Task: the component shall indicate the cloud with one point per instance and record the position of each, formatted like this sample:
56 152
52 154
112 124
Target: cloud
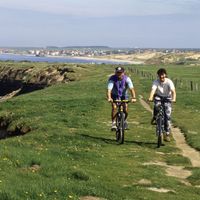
104 8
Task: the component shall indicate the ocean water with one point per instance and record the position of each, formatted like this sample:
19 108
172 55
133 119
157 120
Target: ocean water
30 58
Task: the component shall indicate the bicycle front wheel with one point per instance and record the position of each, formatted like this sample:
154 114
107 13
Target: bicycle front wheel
117 129
120 129
159 131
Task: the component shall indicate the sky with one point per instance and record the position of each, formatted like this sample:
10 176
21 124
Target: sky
113 23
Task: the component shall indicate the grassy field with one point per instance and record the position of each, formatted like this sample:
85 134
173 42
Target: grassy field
71 152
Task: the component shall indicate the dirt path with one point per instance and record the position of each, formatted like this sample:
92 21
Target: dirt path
178 136
187 151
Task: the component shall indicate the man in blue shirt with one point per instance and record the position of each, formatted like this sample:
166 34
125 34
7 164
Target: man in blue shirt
118 85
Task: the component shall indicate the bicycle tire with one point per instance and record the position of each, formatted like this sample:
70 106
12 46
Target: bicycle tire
117 129
159 131
121 128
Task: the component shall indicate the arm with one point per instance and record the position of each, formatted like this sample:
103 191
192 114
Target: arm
173 95
153 91
173 91
109 91
133 96
109 96
151 96
132 90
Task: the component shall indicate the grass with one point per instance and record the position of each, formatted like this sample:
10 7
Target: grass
71 151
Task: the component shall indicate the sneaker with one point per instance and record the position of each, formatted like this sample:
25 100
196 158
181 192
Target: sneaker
153 121
114 127
126 125
166 138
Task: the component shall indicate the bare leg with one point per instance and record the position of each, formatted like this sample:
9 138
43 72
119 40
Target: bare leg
114 111
126 110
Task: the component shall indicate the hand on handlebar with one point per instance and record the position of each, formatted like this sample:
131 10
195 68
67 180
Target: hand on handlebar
150 100
110 100
133 100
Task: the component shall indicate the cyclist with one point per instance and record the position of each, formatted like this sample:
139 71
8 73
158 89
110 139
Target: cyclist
163 87
118 84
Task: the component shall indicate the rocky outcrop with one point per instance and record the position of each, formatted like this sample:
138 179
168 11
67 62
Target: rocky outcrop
31 78
16 80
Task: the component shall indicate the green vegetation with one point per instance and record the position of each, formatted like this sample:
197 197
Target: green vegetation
71 152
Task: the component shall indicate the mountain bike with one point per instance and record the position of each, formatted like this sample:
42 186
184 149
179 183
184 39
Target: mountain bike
160 118
120 120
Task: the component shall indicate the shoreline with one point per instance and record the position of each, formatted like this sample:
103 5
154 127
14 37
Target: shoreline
109 59
122 61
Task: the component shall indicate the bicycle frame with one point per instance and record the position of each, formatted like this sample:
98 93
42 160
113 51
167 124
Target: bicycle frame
120 119
161 117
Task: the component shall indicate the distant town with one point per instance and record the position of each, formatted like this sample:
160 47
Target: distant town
87 51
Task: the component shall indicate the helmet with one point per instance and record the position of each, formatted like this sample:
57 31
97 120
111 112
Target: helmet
119 69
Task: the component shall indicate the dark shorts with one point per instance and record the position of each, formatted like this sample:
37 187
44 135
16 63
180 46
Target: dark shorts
115 97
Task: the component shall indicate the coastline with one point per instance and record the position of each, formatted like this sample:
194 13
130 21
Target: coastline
86 58
109 59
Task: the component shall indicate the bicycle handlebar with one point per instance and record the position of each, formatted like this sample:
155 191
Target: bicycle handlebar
121 101
162 99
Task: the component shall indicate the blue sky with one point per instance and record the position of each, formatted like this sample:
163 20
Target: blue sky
114 23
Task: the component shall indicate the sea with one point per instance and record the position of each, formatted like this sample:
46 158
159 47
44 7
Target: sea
32 58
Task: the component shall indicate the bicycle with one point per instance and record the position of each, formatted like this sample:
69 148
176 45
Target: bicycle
160 118
120 120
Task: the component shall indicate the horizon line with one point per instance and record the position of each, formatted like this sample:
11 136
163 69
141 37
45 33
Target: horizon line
97 46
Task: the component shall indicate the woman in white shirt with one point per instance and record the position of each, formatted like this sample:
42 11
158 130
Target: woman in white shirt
163 87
